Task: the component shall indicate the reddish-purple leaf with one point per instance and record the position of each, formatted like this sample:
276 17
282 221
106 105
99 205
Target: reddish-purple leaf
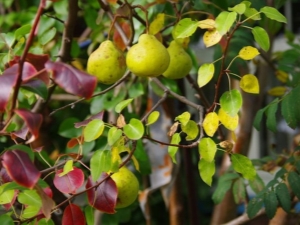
47 201
29 71
4 177
7 81
85 122
104 197
38 61
20 168
22 133
70 182
33 122
73 215
72 80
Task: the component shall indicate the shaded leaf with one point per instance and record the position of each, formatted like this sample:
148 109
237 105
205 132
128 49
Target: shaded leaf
86 121
282 76
277 91
36 86
211 123
22 31
206 170
224 184
93 130
73 215
261 37
257 184
230 122
47 36
120 106
142 157
273 14
290 107
205 74
243 165
283 196
157 24
254 205
271 115
249 83
104 197
47 202
258 117
271 202
184 28
117 39
67 128
224 21
6 220
248 53
72 80
239 191
134 130
231 102
70 182
172 150
20 168
294 181
207 149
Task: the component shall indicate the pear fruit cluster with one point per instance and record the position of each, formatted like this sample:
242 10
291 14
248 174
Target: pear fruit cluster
127 185
107 63
147 58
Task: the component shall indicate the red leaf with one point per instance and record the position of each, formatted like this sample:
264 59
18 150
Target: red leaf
7 81
4 177
33 122
72 143
38 61
85 122
20 168
72 80
104 197
117 37
22 133
70 182
73 216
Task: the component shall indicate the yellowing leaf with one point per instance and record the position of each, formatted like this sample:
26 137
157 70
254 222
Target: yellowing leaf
248 53
211 37
277 91
183 118
206 24
281 76
211 123
157 24
68 167
249 83
205 74
230 122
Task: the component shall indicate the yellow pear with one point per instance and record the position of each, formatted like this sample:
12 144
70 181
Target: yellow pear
180 61
107 63
127 185
147 58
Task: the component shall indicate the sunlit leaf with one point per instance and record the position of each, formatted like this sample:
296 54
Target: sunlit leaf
30 197
205 74
191 129
30 211
67 168
6 196
157 24
172 150
230 122
224 21
273 14
207 24
152 118
248 53
183 118
113 135
207 149
100 162
22 31
206 170
211 123
211 37
252 13
261 37
184 28
239 8
231 102
93 130
134 130
119 107
243 165
249 83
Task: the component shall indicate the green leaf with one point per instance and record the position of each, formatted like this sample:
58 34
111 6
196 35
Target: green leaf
45 221
249 83
294 181
119 107
30 197
136 90
258 118
68 167
271 202
211 123
184 28
290 107
6 196
134 130
224 21
257 184
113 135
206 170
205 74
143 158
172 150
207 149
67 128
221 190
254 205
261 37
93 130
252 13
271 115
239 8
239 191
40 89
89 215
183 118
243 165
22 31
6 220
47 36
283 196
30 211
273 14
152 118
100 162
231 102
191 129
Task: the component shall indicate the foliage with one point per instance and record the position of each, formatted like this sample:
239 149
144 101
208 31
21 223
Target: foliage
104 126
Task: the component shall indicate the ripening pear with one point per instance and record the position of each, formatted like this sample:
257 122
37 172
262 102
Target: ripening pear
107 63
147 58
127 185
180 61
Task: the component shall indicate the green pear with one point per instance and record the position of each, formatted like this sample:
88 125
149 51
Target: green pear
127 185
107 63
180 61
147 58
